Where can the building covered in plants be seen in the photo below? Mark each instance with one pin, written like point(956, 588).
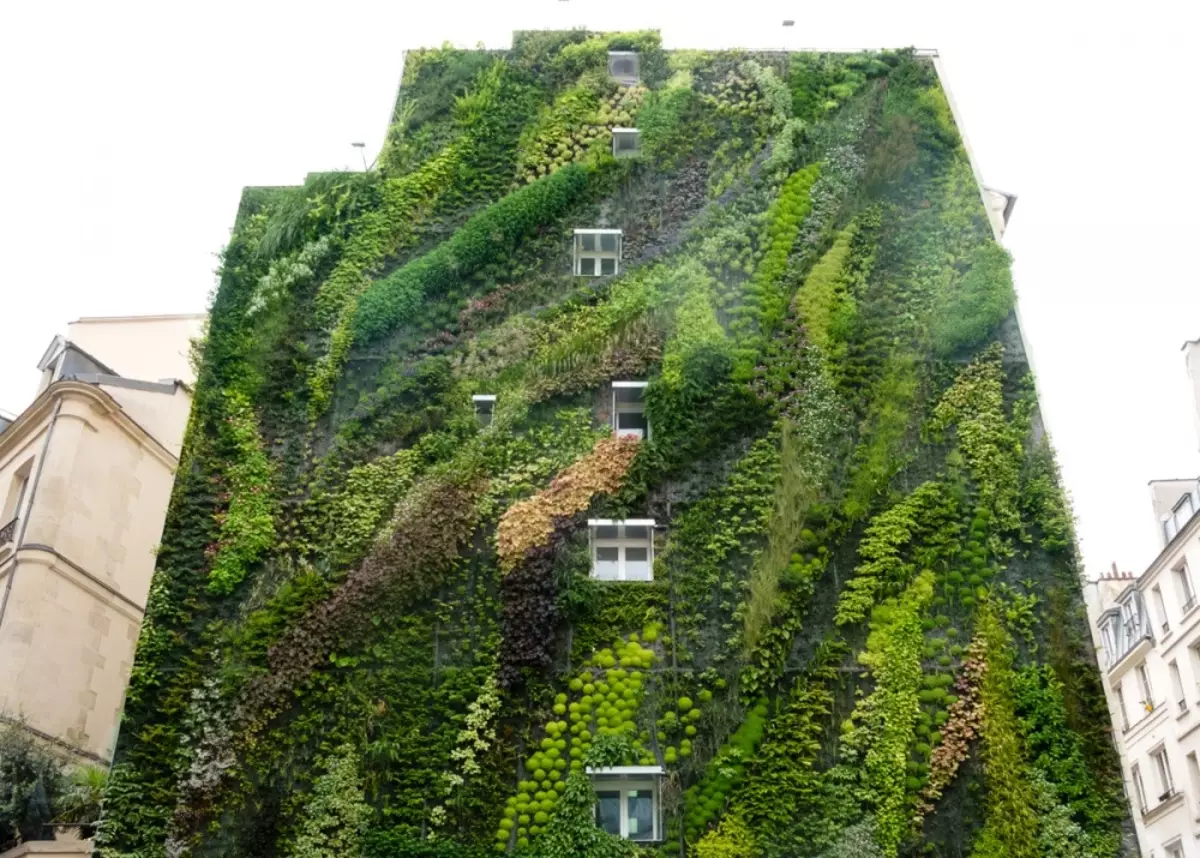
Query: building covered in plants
point(643, 459)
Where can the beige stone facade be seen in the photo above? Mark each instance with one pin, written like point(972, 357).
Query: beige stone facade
point(85, 478)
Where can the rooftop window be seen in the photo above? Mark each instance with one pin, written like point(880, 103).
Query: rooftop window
point(623, 67)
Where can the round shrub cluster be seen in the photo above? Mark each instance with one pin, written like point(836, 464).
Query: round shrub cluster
point(603, 700)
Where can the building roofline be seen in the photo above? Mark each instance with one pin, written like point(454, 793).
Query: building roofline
point(41, 406)
point(1186, 343)
point(1174, 480)
point(61, 343)
point(163, 317)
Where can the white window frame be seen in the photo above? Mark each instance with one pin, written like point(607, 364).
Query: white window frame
point(1120, 692)
point(1177, 685)
point(623, 779)
point(622, 542)
point(1139, 787)
point(599, 255)
point(1144, 686)
point(625, 133)
point(1193, 767)
point(626, 79)
point(1162, 770)
point(1177, 518)
point(488, 401)
point(1174, 849)
point(619, 408)
point(1160, 605)
point(1183, 583)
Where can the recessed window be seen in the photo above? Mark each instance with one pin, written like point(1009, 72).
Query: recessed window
point(1121, 706)
point(1175, 850)
point(1180, 515)
point(485, 407)
point(1143, 676)
point(629, 409)
point(1161, 607)
point(1183, 584)
point(627, 142)
point(622, 550)
point(597, 252)
point(1139, 787)
point(1177, 685)
point(623, 67)
point(1162, 770)
point(627, 801)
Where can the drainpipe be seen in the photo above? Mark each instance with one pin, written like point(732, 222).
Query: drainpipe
point(24, 520)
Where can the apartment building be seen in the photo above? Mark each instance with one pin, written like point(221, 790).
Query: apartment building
point(1148, 630)
point(85, 477)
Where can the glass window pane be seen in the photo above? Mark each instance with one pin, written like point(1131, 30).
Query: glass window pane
point(606, 567)
point(589, 241)
point(608, 265)
point(587, 265)
point(640, 807)
point(630, 394)
point(608, 242)
point(606, 531)
point(637, 531)
point(626, 142)
point(631, 420)
point(637, 564)
point(608, 811)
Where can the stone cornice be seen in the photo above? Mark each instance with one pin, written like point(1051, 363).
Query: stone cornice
point(98, 400)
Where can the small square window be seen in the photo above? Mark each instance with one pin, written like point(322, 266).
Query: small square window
point(485, 407)
point(622, 552)
point(623, 67)
point(597, 252)
point(626, 142)
point(629, 409)
point(627, 801)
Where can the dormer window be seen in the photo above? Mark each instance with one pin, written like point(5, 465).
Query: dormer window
point(623, 67)
point(1180, 515)
point(626, 142)
point(629, 409)
point(485, 407)
point(627, 801)
point(622, 550)
point(597, 252)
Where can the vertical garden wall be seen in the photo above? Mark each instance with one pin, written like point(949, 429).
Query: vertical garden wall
point(375, 630)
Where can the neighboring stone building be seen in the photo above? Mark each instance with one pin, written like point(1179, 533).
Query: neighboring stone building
point(1148, 631)
point(85, 475)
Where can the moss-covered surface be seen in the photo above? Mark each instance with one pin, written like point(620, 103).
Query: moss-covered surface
point(372, 629)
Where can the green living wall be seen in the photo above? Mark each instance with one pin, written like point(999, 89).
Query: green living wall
point(373, 631)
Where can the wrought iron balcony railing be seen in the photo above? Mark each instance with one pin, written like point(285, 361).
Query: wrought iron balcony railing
point(8, 533)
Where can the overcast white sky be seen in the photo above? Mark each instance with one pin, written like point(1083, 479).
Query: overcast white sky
point(129, 129)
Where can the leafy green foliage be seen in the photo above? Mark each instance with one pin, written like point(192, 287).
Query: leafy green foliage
point(494, 232)
point(968, 314)
point(373, 628)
